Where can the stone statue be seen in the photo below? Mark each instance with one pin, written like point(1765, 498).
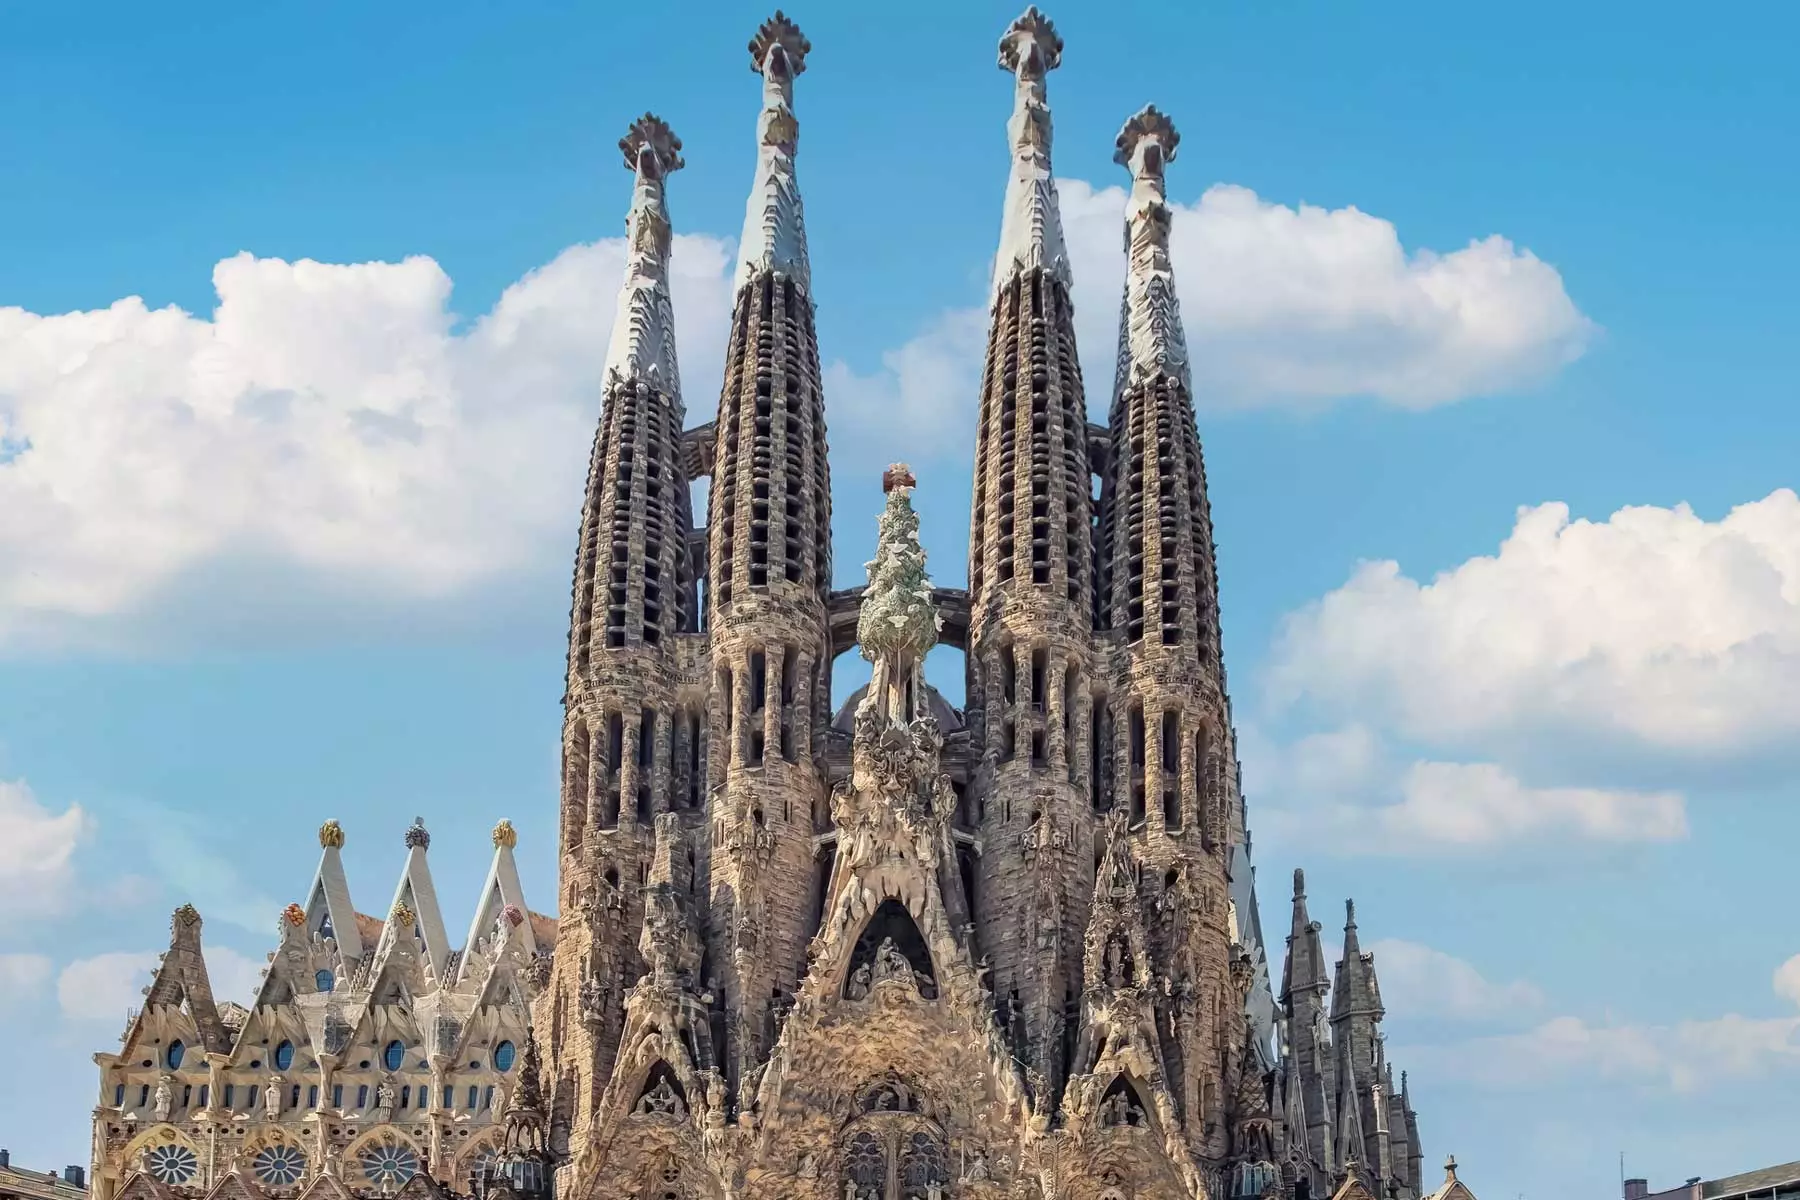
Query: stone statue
point(272, 1099)
point(165, 1098)
point(976, 1171)
point(809, 1166)
point(384, 1100)
point(859, 983)
point(849, 1189)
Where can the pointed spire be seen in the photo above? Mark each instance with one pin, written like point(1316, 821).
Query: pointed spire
point(1355, 993)
point(181, 980)
point(1151, 340)
point(898, 622)
point(329, 912)
point(1304, 973)
point(1031, 229)
point(774, 237)
point(643, 337)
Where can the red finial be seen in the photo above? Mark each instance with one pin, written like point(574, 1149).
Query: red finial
point(896, 476)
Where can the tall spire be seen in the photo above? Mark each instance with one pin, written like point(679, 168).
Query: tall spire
point(1031, 230)
point(1304, 975)
point(774, 237)
point(1151, 340)
point(643, 337)
point(898, 623)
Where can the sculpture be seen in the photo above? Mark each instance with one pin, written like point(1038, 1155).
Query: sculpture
point(272, 1098)
point(165, 1098)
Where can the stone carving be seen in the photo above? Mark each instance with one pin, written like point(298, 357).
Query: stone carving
point(662, 1101)
point(272, 1099)
point(384, 1100)
point(809, 1166)
point(164, 1098)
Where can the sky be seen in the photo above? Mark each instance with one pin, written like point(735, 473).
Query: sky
point(301, 317)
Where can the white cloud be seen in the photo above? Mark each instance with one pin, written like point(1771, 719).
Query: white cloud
point(104, 987)
point(1423, 982)
point(1654, 627)
point(331, 431)
point(1787, 979)
point(1687, 1057)
point(328, 420)
point(1342, 790)
point(37, 848)
point(22, 977)
point(1302, 305)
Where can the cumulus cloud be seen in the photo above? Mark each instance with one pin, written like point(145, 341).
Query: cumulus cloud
point(1655, 627)
point(37, 850)
point(1787, 980)
point(22, 977)
point(1424, 982)
point(1686, 1057)
point(331, 438)
point(104, 987)
point(1343, 790)
point(1300, 305)
point(234, 976)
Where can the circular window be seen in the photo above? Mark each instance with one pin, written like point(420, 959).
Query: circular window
point(389, 1166)
point(280, 1165)
point(503, 1056)
point(171, 1164)
point(393, 1056)
point(324, 981)
point(284, 1056)
point(173, 1055)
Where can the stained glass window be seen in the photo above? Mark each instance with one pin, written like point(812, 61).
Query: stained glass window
point(174, 1054)
point(284, 1056)
point(865, 1165)
point(171, 1164)
point(393, 1056)
point(388, 1165)
point(280, 1165)
point(503, 1056)
point(324, 981)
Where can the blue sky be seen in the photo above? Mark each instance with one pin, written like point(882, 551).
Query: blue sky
point(1557, 780)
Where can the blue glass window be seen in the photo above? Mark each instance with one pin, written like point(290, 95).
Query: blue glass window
point(449, 1096)
point(487, 1098)
point(473, 1093)
point(284, 1056)
point(503, 1056)
point(187, 1094)
point(324, 981)
point(230, 1091)
point(362, 1096)
point(312, 1096)
point(143, 1094)
point(119, 1096)
point(393, 1056)
point(174, 1054)
point(405, 1095)
point(204, 1088)
point(337, 1095)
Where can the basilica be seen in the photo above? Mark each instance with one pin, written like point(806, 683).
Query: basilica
point(891, 950)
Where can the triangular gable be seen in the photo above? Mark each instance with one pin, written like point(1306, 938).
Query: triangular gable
point(329, 912)
point(181, 982)
point(140, 1186)
point(326, 1187)
point(235, 1185)
point(417, 895)
point(1352, 1188)
point(423, 1187)
point(501, 889)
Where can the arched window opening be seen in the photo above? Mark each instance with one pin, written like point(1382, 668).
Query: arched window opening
point(1121, 1105)
point(662, 1093)
point(890, 948)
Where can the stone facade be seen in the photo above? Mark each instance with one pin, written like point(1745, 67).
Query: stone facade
point(372, 1053)
point(896, 952)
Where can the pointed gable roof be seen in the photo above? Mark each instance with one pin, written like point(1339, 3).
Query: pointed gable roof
point(1452, 1188)
point(181, 981)
point(329, 911)
point(1355, 993)
point(501, 891)
point(415, 910)
point(142, 1186)
point(1304, 972)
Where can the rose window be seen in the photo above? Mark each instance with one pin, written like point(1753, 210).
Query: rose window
point(389, 1165)
point(171, 1164)
point(279, 1166)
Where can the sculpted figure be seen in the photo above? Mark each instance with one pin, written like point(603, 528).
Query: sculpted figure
point(859, 983)
point(977, 1169)
point(272, 1099)
point(809, 1166)
point(164, 1099)
point(384, 1100)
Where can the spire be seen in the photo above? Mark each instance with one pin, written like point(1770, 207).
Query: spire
point(1151, 340)
point(329, 912)
point(774, 237)
point(1031, 229)
point(521, 1169)
point(1355, 993)
point(1304, 973)
point(898, 622)
point(181, 981)
point(643, 337)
